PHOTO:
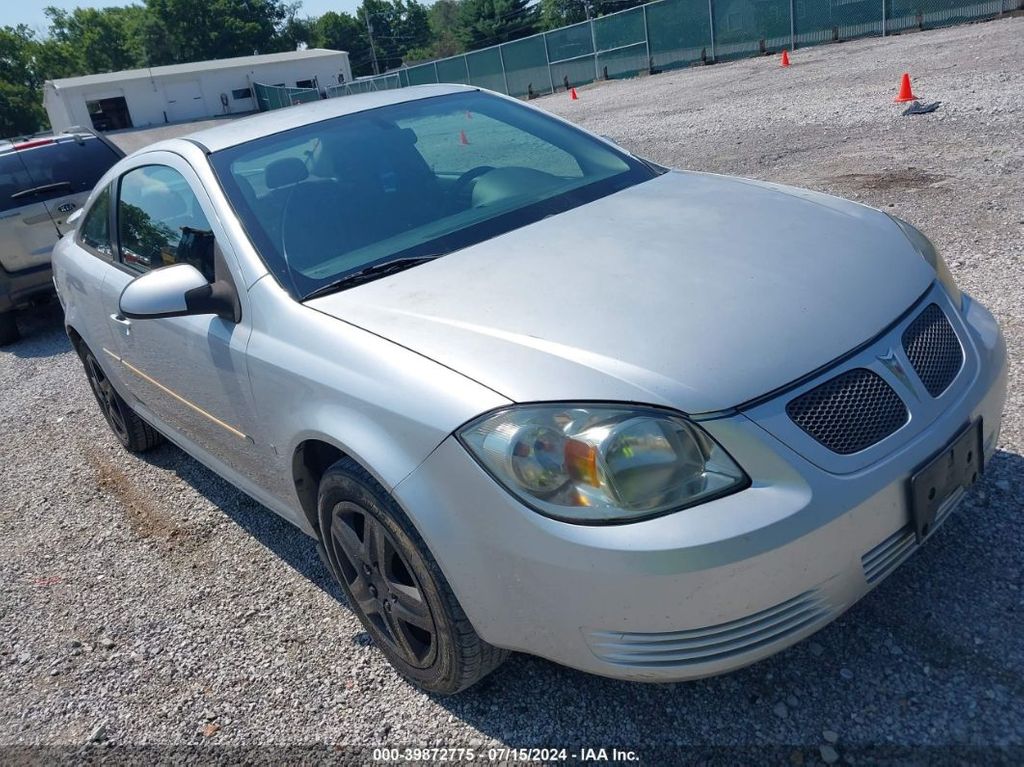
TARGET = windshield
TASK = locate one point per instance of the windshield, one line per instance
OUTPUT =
(419, 178)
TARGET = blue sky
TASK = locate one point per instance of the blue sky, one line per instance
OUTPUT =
(14, 12)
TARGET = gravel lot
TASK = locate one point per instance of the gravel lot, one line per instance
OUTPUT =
(145, 601)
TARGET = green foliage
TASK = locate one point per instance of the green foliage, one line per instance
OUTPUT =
(21, 104)
(218, 29)
(489, 22)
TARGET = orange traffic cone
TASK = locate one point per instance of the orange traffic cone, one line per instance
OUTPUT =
(463, 139)
(905, 93)
(785, 59)
(572, 94)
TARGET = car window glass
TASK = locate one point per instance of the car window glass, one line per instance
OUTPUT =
(457, 142)
(160, 222)
(415, 178)
(13, 179)
(95, 227)
(80, 162)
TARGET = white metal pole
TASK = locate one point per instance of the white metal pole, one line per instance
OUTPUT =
(504, 74)
(711, 20)
(547, 58)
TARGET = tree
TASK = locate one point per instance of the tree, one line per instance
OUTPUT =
(218, 29)
(21, 107)
(561, 13)
(342, 32)
(445, 38)
(93, 40)
(489, 22)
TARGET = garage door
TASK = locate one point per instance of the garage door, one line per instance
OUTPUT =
(184, 101)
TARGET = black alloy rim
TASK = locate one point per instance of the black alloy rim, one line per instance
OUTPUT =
(107, 398)
(382, 584)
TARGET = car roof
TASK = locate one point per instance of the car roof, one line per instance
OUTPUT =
(267, 123)
(40, 140)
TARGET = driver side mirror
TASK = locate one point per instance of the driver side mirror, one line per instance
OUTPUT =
(179, 290)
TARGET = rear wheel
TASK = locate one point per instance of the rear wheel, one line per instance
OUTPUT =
(8, 328)
(395, 587)
(134, 433)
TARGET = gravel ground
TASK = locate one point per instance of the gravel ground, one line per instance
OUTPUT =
(145, 601)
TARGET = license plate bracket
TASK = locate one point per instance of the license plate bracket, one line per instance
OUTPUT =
(958, 465)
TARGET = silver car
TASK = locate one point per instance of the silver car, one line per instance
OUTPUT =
(530, 392)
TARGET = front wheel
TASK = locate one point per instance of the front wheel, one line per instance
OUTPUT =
(134, 433)
(395, 587)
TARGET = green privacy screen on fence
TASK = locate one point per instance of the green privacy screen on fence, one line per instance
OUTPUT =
(658, 36)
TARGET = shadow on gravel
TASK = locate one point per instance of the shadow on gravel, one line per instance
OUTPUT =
(932, 656)
(42, 332)
(289, 543)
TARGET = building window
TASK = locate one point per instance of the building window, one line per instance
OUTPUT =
(304, 84)
(241, 93)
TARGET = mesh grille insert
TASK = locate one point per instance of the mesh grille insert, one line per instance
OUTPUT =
(933, 349)
(850, 412)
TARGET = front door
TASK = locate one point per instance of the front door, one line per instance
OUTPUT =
(188, 372)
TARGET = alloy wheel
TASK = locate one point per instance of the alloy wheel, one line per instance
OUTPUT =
(107, 398)
(382, 583)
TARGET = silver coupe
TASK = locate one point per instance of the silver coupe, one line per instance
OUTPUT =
(528, 391)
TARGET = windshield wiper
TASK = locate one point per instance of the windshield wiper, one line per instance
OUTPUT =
(369, 273)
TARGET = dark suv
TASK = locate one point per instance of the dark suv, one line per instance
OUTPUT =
(43, 180)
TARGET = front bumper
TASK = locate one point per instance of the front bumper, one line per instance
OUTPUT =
(707, 589)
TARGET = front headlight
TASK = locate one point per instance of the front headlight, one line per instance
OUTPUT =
(601, 463)
(928, 252)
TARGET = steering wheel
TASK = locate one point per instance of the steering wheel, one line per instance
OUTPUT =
(461, 185)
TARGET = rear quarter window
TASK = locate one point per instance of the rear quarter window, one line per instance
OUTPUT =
(13, 178)
(79, 162)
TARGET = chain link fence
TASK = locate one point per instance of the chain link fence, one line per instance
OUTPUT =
(651, 38)
(276, 96)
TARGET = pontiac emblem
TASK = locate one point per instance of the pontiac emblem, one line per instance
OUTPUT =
(893, 365)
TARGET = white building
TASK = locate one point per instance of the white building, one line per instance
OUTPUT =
(182, 92)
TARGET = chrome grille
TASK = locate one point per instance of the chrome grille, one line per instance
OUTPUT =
(933, 349)
(850, 412)
(712, 643)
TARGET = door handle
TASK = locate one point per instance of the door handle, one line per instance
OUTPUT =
(121, 320)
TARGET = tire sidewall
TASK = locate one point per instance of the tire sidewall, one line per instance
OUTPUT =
(339, 484)
(88, 359)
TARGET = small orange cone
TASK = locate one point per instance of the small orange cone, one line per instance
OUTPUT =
(905, 93)
(572, 95)
(785, 58)
(463, 139)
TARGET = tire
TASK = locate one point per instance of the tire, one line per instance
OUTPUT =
(8, 328)
(395, 587)
(134, 434)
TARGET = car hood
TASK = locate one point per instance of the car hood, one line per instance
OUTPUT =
(694, 291)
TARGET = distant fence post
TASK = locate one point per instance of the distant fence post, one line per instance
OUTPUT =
(547, 61)
(792, 26)
(711, 21)
(883, 18)
(647, 39)
(593, 44)
(469, 78)
(504, 73)
(437, 77)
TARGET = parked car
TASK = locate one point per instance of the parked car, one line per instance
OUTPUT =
(530, 392)
(43, 179)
